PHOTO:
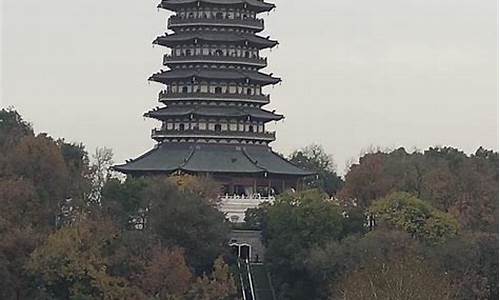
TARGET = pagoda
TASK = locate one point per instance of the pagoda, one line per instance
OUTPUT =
(213, 120)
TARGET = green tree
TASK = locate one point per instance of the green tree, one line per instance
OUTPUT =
(414, 216)
(314, 158)
(295, 223)
(176, 217)
(186, 220)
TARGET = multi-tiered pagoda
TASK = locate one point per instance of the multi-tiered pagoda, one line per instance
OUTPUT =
(213, 121)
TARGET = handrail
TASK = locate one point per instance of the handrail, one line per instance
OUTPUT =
(241, 281)
(250, 279)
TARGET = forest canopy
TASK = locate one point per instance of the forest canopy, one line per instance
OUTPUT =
(403, 225)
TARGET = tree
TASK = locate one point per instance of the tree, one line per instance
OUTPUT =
(205, 187)
(295, 223)
(12, 129)
(175, 217)
(327, 265)
(73, 263)
(414, 216)
(471, 261)
(404, 278)
(448, 179)
(186, 220)
(314, 158)
(166, 275)
(219, 286)
(100, 173)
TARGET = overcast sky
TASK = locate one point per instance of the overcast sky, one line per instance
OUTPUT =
(356, 73)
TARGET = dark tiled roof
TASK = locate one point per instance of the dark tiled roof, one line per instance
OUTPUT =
(172, 39)
(260, 6)
(212, 158)
(225, 74)
(214, 111)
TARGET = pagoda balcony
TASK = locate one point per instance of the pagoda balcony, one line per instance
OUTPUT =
(171, 96)
(159, 134)
(249, 23)
(228, 59)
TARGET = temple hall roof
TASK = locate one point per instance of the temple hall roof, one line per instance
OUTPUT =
(212, 158)
(214, 111)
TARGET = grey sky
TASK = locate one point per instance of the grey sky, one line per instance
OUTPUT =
(357, 73)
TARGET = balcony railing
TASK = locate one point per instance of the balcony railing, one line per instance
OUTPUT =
(235, 206)
(257, 24)
(255, 198)
(255, 61)
(170, 96)
(196, 133)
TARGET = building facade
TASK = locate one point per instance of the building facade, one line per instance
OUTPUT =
(213, 120)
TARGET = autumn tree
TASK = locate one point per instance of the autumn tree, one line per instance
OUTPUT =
(166, 275)
(73, 263)
(403, 278)
(219, 285)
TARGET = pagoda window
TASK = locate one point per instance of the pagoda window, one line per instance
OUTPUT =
(188, 52)
(182, 127)
(219, 15)
(219, 52)
(184, 89)
(250, 128)
(191, 15)
(249, 91)
(218, 127)
(247, 54)
(204, 88)
(203, 126)
(261, 128)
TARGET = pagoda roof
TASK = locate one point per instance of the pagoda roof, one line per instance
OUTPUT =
(211, 158)
(214, 111)
(258, 5)
(169, 40)
(210, 74)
